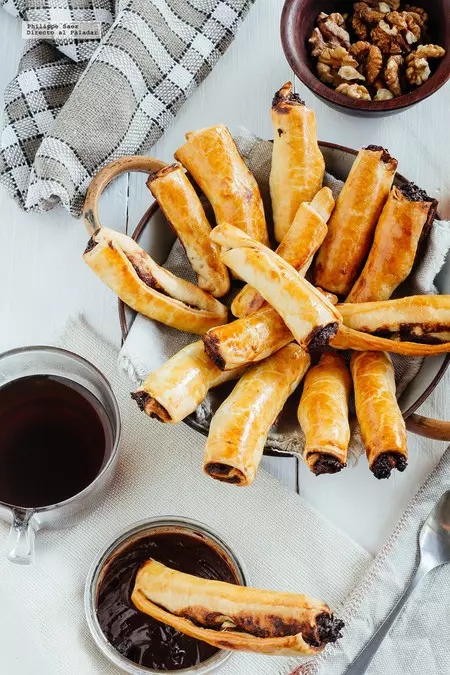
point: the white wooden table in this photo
(43, 279)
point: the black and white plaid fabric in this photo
(76, 105)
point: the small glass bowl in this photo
(144, 528)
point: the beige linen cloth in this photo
(283, 542)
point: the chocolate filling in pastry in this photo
(328, 629)
(291, 98)
(327, 464)
(414, 193)
(384, 464)
(211, 343)
(385, 157)
(321, 336)
(141, 398)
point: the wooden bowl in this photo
(297, 22)
(156, 236)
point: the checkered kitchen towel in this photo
(76, 105)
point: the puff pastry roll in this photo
(173, 391)
(297, 247)
(406, 213)
(258, 335)
(417, 318)
(348, 338)
(331, 296)
(381, 422)
(235, 617)
(309, 315)
(323, 414)
(297, 163)
(239, 429)
(148, 288)
(353, 221)
(247, 340)
(184, 212)
(213, 160)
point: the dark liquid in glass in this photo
(137, 636)
(53, 438)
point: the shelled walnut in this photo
(357, 91)
(417, 66)
(392, 74)
(376, 53)
(370, 59)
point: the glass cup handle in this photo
(20, 542)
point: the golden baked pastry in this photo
(306, 311)
(173, 391)
(298, 166)
(417, 318)
(184, 212)
(381, 422)
(353, 221)
(238, 430)
(229, 616)
(148, 288)
(323, 414)
(212, 158)
(247, 340)
(406, 213)
(297, 247)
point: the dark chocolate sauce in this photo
(53, 436)
(137, 636)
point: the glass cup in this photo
(25, 522)
(142, 529)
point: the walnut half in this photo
(383, 95)
(392, 74)
(337, 57)
(417, 67)
(357, 91)
(369, 58)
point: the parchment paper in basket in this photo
(149, 344)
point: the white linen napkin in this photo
(149, 344)
(283, 542)
(418, 641)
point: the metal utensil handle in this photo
(364, 658)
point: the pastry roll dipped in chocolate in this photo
(309, 315)
(353, 221)
(297, 163)
(380, 419)
(184, 212)
(297, 247)
(247, 340)
(213, 160)
(417, 318)
(148, 288)
(173, 391)
(406, 213)
(239, 429)
(235, 617)
(323, 414)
